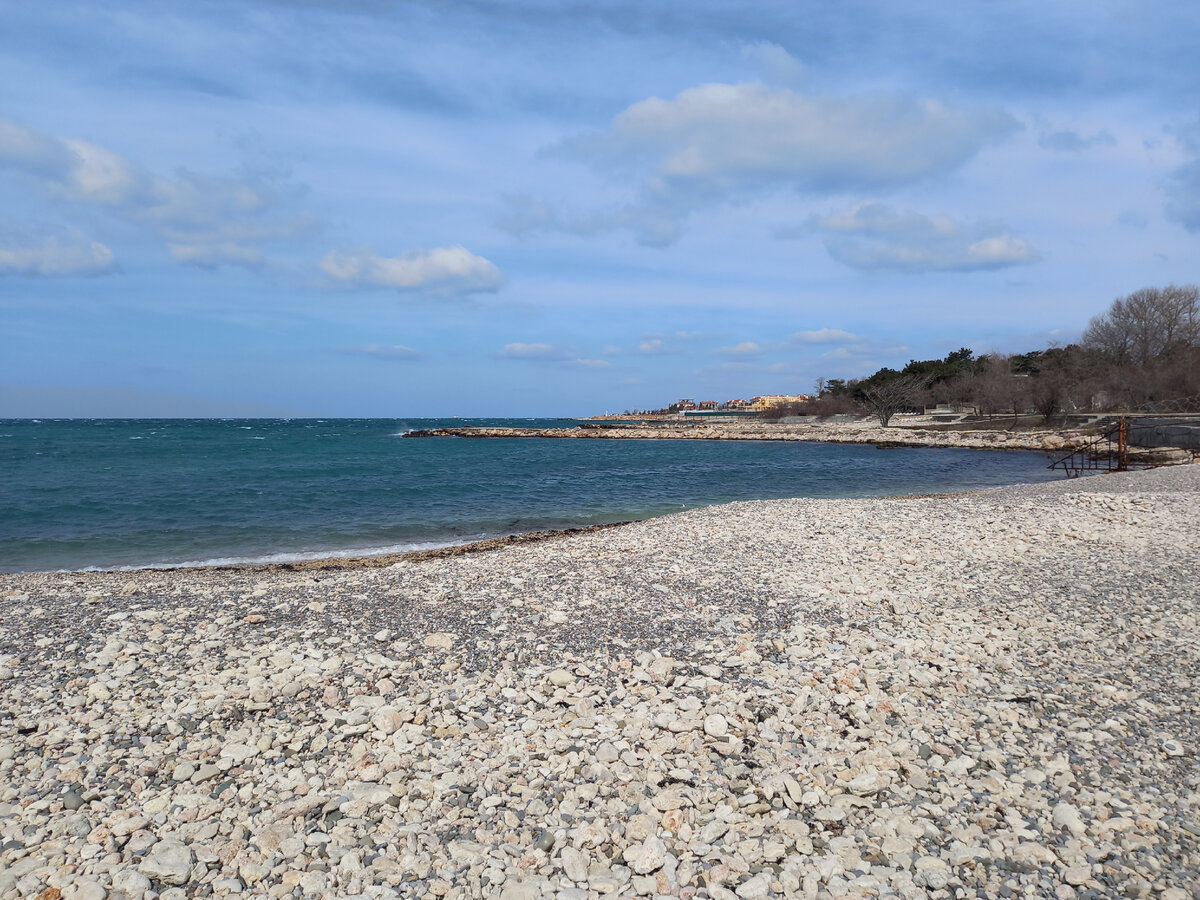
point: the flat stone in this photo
(85, 889)
(716, 725)
(1067, 816)
(756, 888)
(1077, 875)
(520, 890)
(130, 883)
(668, 800)
(574, 864)
(239, 753)
(169, 862)
(866, 784)
(931, 872)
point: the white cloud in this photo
(530, 351)
(525, 215)
(212, 255)
(103, 178)
(549, 353)
(745, 348)
(1183, 203)
(776, 64)
(206, 220)
(873, 236)
(720, 142)
(442, 270)
(52, 257)
(1073, 142)
(823, 336)
(652, 346)
(31, 151)
(384, 351)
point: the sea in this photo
(81, 494)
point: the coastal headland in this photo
(857, 432)
(863, 431)
(983, 695)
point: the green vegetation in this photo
(1143, 354)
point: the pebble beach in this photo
(979, 695)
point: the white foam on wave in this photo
(267, 559)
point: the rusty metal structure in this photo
(1107, 453)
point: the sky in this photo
(403, 209)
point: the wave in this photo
(268, 559)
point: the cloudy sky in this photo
(558, 208)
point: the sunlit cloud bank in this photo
(874, 237)
(442, 270)
(717, 143)
(53, 257)
(205, 220)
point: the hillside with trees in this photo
(1141, 355)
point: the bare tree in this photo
(1048, 393)
(998, 388)
(1148, 326)
(889, 397)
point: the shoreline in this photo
(988, 693)
(338, 561)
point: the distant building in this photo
(768, 401)
(707, 404)
(738, 404)
(685, 404)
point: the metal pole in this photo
(1123, 445)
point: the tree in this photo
(1056, 372)
(1145, 348)
(889, 395)
(1147, 326)
(997, 387)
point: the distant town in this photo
(764, 403)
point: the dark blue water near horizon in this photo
(111, 493)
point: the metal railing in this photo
(1107, 453)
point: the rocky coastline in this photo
(980, 695)
(1049, 440)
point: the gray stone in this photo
(72, 801)
(129, 884)
(169, 862)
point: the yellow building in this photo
(767, 401)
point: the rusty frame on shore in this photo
(1107, 453)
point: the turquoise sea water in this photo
(120, 492)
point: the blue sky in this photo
(537, 208)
